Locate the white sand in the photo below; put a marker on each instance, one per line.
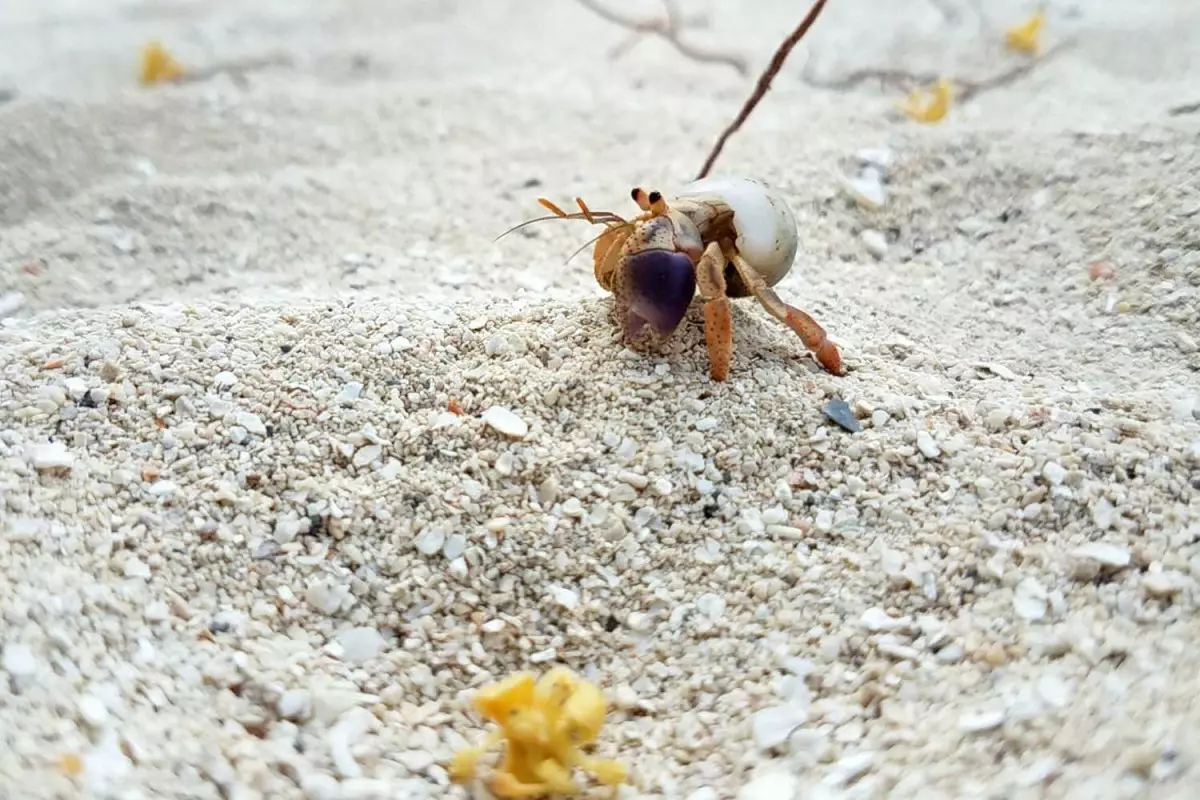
(225, 448)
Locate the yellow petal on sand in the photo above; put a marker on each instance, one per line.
(932, 109)
(159, 66)
(1025, 38)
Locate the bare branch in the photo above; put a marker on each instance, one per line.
(1185, 108)
(764, 83)
(669, 29)
(965, 90)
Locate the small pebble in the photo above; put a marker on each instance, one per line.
(505, 422)
(875, 243)
(840, 412)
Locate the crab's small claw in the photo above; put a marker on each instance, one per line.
(661, 284)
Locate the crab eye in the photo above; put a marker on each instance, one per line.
(661, 284)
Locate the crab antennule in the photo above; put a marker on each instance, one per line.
(595, 217)
(546, 203)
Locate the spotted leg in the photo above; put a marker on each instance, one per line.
(811, 333)
(718, 321)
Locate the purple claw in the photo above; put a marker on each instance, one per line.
(662, 284)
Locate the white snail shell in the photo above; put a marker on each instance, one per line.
(766, 228)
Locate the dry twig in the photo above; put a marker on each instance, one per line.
(1185, 108)
(764, 83)
(965, 90)
(669, 29)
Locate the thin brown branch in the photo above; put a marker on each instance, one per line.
(1185, 108)
(764, 83)
(236, 69)
(903, 80)
(669, 29)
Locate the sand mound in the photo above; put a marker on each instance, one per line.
(293, 455)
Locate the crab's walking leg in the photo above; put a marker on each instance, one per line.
(812, 334)
(718, 321)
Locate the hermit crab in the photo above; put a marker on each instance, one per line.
(726, 236)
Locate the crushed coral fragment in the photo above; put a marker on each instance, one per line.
(932, 108)
(159, 66)
(1026, 37)
(544, 724)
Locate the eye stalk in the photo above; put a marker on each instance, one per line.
(661, 286)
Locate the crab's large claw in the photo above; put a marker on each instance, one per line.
(661, 284)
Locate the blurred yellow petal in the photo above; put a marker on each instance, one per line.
(929, 109)
(1026, 37)
(159, 66)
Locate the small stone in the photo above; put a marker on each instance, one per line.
(776, 785)
(875, 243)
(455, 546)
(824, 520)
(416, 761)
(1054, 473)
(50, 455)
(1103, 514)
(361, 644)
(366, 455)
(1103, 553)
(866, 190)
(505, 422)
(430, 540)
(878, 157)
(704, 793)
(294, 705)
(1163, 584)
(349, 393)
(564, 597)
(251, 422)
(849, 769)
(772, 726)
(840, 412)
(981, 722)
(92, 711)
(877, 620)
(711, 606)
(927, 445)
(1029, 600)
(1186, 344)
(19, 661)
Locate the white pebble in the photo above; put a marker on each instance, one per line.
(361, 644)
(711, 605)
(875, 243)
(342, 738)
(505, 422)
(564, 597)
(251, 422)
(50, 455)
(19, 661)
(430, 540)
(349, 393)
(776, 785)
(294, 705)
(92, 711)
(877, 620)
(981, 722)
(456, 545)
(1109, 555)
(1029, 600)
(927, 445)
(866, 190)
(1054, 473)
(365, 455)
(772, 726)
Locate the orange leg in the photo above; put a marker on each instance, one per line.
(811, 333)
(718, 321)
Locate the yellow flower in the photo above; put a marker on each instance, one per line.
(159, 66)
(932, 109)
(545, 724)
(1024, 38)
